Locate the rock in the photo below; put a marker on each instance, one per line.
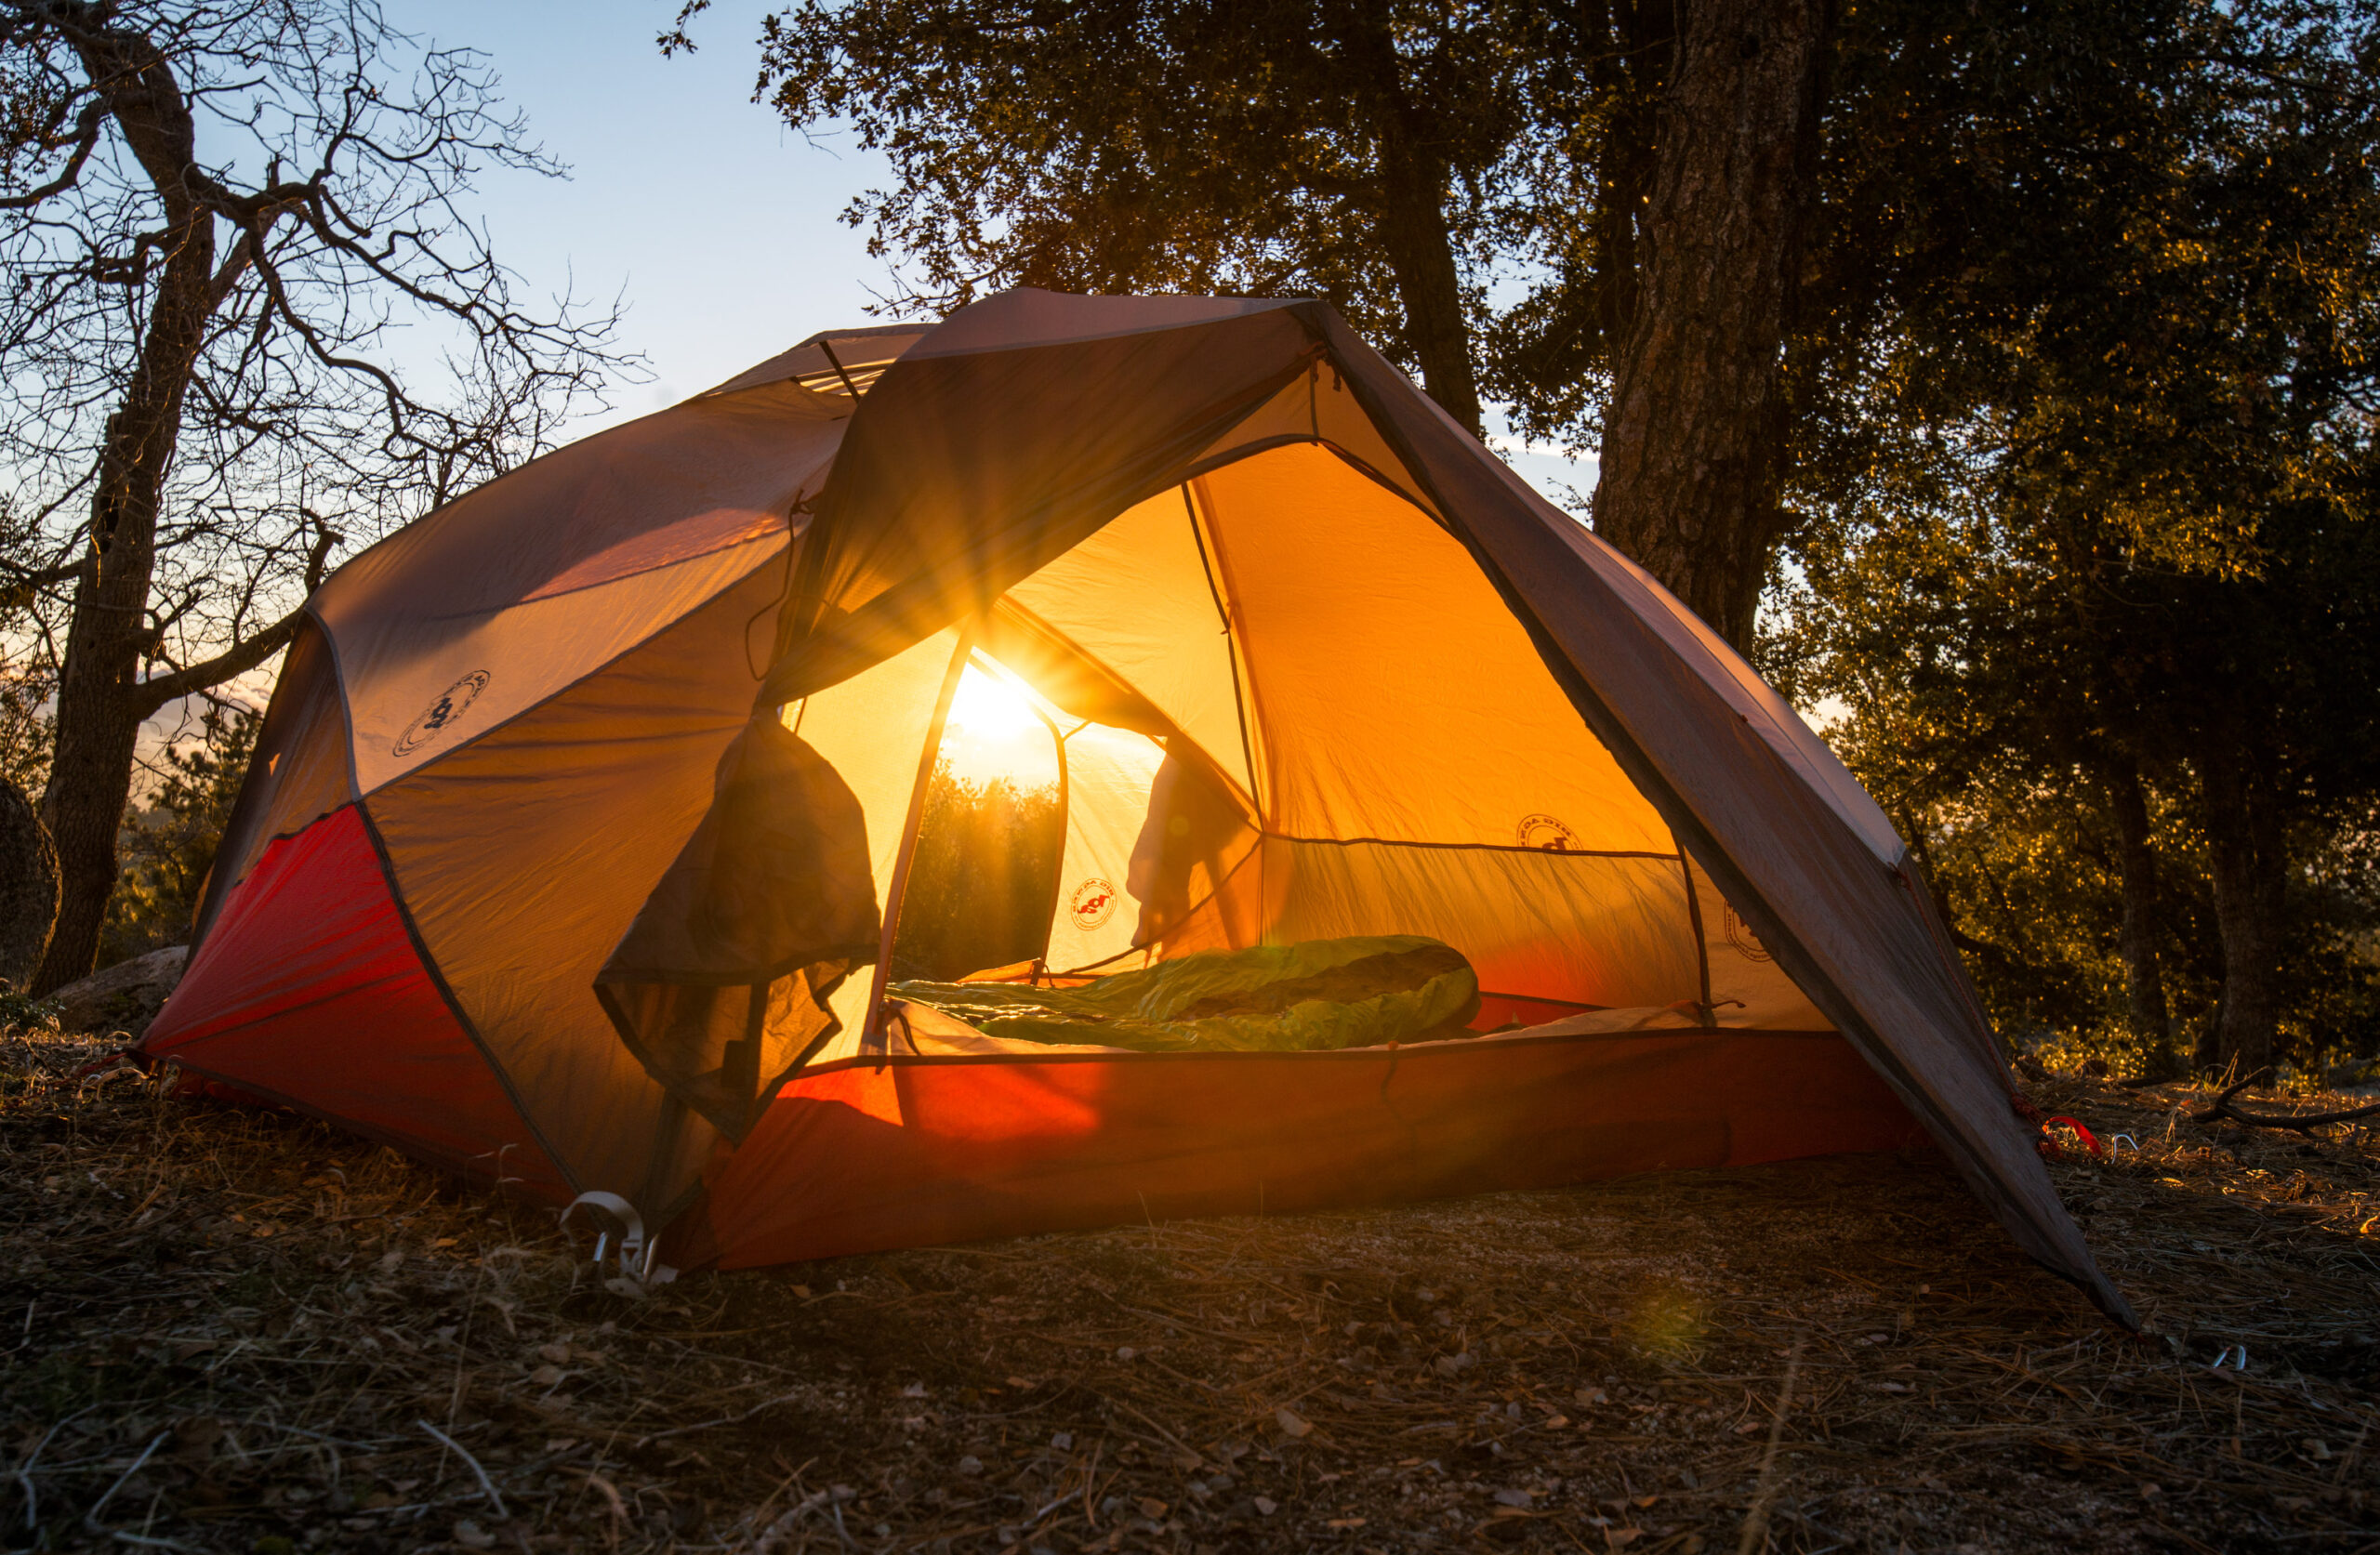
(125, 997)
(28, 886)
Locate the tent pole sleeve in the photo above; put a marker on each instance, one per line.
(893, 889)
(837, 363)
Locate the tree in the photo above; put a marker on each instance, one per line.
(1694, 437)
(1687, 138)
(2133, 361)
(28, 886)
(1345, 149)
(224, 221)
(168, 846)
(983, 884)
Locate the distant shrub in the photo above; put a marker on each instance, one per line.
(984, 881)
(166, 849)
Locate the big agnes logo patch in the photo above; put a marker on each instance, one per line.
(1092, 904)
(1546, 834)
(440, 715)
(1739, 935)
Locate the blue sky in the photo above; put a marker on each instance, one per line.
(714, 224)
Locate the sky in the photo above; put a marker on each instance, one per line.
(714, 224)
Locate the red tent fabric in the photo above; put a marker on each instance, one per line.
(311, 993)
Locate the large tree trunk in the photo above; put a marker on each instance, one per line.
(100, 702)
(1694, 437)
(1413, 229)
(1632, 71)
(28, 887)
(1412, 214)
(2249, 873)
(2136, 940)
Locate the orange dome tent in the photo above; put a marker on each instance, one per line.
(581, 819)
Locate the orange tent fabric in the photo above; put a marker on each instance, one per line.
(609, 773)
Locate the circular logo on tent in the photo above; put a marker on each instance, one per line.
(1547, 835)
(1739, 935)
(441, 714)
(1092, 904)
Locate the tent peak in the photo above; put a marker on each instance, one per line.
(840, 361)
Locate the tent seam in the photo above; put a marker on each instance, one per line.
(1471, 847)
(1361, 465)
(212, 906)
(455, 1005)
(1209, 561)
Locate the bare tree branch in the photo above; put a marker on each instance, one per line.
(234, 662)
(86, 140)
(38, 577)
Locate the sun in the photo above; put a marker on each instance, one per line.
(994, 731)
(988, 707)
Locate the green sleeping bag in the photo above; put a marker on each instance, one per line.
(1316, 995)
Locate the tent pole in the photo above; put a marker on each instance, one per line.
(1066, 831)
(872, 1030)
(1701, 935)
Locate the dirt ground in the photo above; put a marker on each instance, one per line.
(229, 1330)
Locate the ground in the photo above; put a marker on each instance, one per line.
(235, 1330)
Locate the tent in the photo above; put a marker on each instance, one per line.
(579, 824)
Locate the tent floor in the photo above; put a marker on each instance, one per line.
(868, 1155)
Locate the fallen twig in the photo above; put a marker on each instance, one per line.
(92, 1518)
(724, 1420)
(1756, 1520)
(464, 1453)
(2302, 1122)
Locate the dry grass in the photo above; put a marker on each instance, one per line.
(236, 1331)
